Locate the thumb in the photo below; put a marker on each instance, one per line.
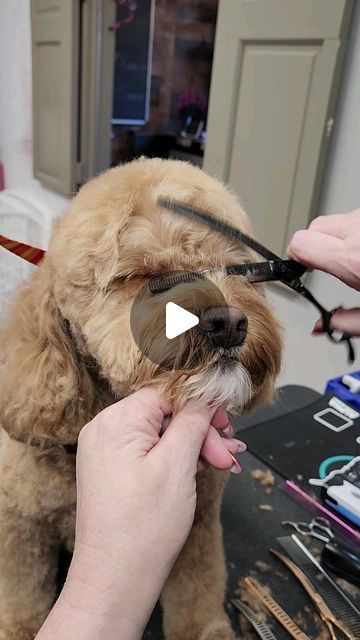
(346, 320)
(187, 431)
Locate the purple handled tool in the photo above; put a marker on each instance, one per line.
(316, 508)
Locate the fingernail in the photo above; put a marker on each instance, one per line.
(229, 430)
(317, 332)
(241, 446)
(236, 467)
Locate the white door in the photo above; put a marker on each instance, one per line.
(276, 72)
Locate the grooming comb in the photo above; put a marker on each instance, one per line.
(260, 627)
(168, 282)
(335, 598)
(253, 272)
(324, 612)
(281, 616)
(289, 277)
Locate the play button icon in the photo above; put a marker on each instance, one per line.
(178, 320)
(170, 328)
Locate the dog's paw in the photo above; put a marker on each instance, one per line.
(218, 630)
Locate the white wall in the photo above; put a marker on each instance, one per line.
(312, 360)
(16, 109)
(27, 209)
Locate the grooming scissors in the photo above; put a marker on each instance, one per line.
(288, 272)
(318, 528)
(336, 555)
(338, 602)
(329, 619)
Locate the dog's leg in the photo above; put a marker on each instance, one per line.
(34, 489)
(28, 564)
(194, 593)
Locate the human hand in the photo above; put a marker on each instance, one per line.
(332, 244)
(136, 502)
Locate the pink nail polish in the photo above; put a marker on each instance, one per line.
(241, 446)
(236, 467)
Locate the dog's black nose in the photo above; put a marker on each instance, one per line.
(225, 326)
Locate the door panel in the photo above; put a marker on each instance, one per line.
(96, 86)
(275, 80)
(55, 49)
(270, 70)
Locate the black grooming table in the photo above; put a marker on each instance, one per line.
(249, 531)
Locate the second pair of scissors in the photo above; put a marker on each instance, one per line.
(318, 528)
(337, 555)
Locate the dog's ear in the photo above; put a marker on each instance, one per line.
(46, 392)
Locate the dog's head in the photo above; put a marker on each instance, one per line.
(115, 238)
(74, 315)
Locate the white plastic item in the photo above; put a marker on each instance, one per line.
(351, 382)
(38, 223)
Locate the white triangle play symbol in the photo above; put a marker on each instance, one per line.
(178, 320)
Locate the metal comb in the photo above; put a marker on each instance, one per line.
(281, 616)
(253, 272)
(334, 597)
(260, 627)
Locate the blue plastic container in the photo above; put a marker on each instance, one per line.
(342, 391)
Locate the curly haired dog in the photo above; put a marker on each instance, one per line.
(69, 352)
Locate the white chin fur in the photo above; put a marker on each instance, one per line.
(227, 388)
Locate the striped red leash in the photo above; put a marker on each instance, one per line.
(25, 251)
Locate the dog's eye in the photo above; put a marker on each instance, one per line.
(139, 276)
(131, 277)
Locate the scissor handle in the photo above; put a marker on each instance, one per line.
(326, 316)
(300, 527)
(323, 523)
(307, 529)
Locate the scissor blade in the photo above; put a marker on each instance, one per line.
(284, 270)
(252, 272)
